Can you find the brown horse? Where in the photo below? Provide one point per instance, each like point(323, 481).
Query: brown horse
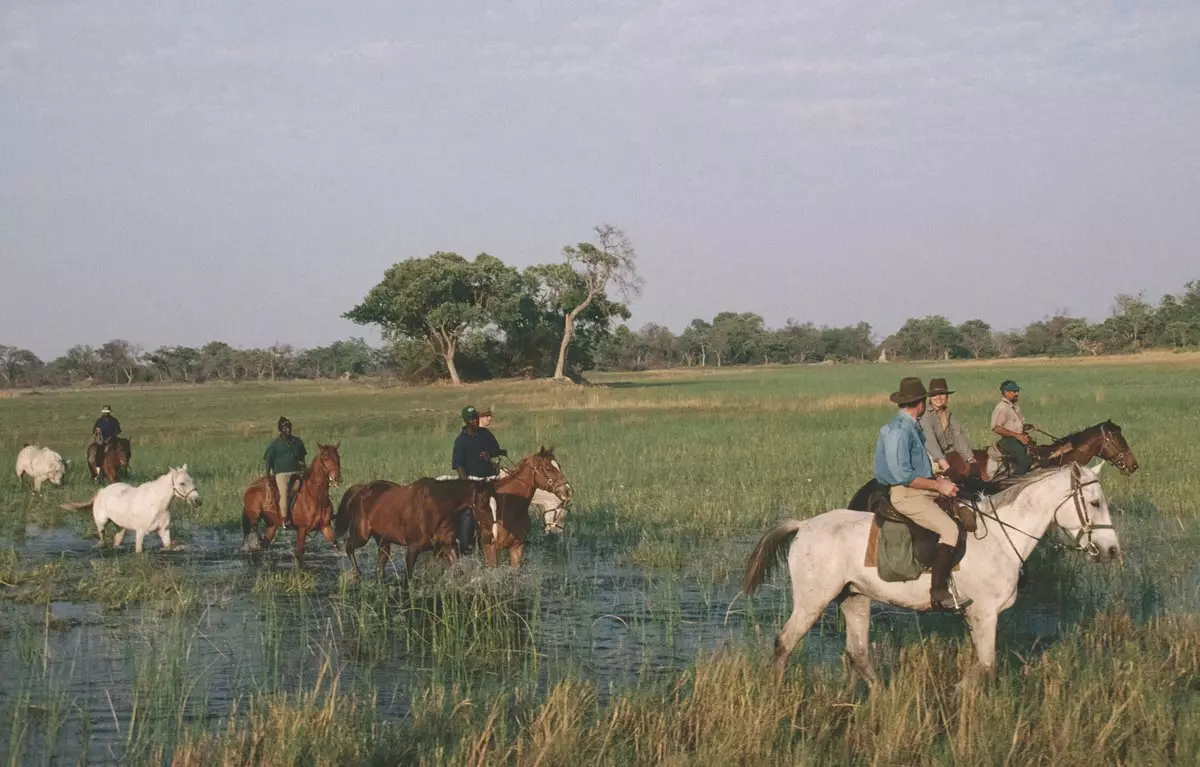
point(311, 511)
point(509, 527)
point(421, 516)
point(1103, 439)
point(110, 461)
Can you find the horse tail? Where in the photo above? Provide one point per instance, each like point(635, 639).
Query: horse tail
point(860, 499)
point(81, 506)
point(770, 551)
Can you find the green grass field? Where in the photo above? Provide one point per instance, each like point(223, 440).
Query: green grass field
point(624, 642)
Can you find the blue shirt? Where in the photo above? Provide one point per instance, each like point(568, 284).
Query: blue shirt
point(900, 455)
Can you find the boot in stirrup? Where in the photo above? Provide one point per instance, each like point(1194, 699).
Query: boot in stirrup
point(940, 597)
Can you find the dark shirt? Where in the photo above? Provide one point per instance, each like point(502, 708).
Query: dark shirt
point(109, 427)
point(474, 452)
point(285, 455)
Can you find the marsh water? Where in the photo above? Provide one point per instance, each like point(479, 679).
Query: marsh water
point(97, 680)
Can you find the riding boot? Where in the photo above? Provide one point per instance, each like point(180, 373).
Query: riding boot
point(465, 532)
point(940, 597)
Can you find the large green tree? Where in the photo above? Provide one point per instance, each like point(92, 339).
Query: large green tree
point(438, 299)
point(584, 277)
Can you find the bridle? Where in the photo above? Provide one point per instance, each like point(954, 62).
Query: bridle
point(179, 495)
point(557, 486)
point(1086, 526)
point(1121, 458)
point(325, 461)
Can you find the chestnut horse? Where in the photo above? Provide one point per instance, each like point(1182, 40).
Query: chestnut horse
point(509, 527)
point(312, 509)
point(1103, 439)
point(419, 517)
point(110, 461)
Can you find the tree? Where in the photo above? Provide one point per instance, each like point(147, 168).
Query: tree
point(977, 338)
point(928, 338)
point(737, 338)
point(589, 269)
point(80, 361)
point(19, 366)
point(1131, 320)
point(438, 299)
point(696, 340)
point(218, 360)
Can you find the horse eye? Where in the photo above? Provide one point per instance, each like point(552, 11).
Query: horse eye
point(1096, 504)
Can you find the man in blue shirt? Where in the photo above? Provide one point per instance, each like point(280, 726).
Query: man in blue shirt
point(902, 463)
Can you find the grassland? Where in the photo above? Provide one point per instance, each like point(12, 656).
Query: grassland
point(624, 643)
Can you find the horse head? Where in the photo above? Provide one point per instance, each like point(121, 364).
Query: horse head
point(1115, 449)
point(330, 461)
point(183, 487)
point(1083, 520)
point(548, 474)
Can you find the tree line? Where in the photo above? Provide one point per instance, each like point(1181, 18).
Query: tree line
point(445, 316)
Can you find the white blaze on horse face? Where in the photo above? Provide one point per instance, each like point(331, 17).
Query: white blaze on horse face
point(554, 463)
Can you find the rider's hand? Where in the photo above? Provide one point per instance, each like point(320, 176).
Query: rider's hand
point(946, 487)
point(1023, 439)
point(944, 465)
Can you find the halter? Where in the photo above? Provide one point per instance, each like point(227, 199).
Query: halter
point(1086, 526)
point(1120, 459)
point(177, 494)
point(554, 486)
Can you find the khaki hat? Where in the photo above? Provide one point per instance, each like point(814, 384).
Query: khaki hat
point(911, 390)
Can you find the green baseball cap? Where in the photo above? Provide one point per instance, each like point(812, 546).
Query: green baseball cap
point(469, 413)
point(1009, 385)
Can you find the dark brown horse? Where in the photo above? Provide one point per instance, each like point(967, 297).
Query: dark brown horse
point(1103, 439)
point(420, 517)
point(311, 511)
point(110, 461)
point(509, 527)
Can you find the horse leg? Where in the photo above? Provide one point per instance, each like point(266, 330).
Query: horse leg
point(138, 536)
point(983, 633)
point(515, 552)
point(490, 554)
point(856, 610)
point(381, 562)
point(120, 536)
point(802, 619)
point(327, 531)
point(301, 534)
point(164, 534)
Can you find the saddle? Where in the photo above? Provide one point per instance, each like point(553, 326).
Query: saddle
point(901, 549)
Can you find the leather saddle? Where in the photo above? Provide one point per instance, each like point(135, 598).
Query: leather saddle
point(925, 542)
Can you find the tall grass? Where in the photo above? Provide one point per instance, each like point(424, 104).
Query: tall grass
point(623, 641)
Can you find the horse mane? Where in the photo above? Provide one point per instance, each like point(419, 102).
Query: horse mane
point(1010, 493)
point(1077, 437)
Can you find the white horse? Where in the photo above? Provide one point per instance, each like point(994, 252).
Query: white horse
point(42, 465)
point(826, 561)
point(142, 509)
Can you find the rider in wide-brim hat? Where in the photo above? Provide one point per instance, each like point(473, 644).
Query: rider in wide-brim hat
point(937, 386)
point(911, 390)
point(945, 438)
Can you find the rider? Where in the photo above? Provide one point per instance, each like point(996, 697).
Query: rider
point(944, 435)
point(104, 431)
point(1009, 424)
point(476, 448)
point(902, 463)
point(284, 461)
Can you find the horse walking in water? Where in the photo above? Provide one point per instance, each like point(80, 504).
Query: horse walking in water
point(110, 461)
point(508, 525)
point(825, 556)
point(420, 517)
point(311, 511)
point(142, 509)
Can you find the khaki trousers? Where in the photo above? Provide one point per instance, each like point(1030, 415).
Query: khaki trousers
point(918, 506)
point(283, 483)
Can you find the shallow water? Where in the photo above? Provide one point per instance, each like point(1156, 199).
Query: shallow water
point(577, 607)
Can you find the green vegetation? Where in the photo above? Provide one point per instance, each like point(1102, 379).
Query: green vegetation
point(625, 642)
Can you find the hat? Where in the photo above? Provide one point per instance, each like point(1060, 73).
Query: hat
point(485, 411)
point(469, 413)
point(106, 409)
point(282, 421)
point(938, 386)
point(1009, 385)
point(911, 390)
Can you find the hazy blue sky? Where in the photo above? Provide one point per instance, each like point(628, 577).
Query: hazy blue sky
point(182, 172)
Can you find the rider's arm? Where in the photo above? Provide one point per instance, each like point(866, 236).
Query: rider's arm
point(931, 443)
point(458, 459)
point(1003, 432)
point(269, 459)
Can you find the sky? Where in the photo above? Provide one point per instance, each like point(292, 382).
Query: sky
point(177, 173)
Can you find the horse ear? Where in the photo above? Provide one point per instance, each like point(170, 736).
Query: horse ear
point(183, 467)
point(337, 445)
point(1097, 468)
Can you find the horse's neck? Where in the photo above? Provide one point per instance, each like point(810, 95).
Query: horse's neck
point(1031, 512)
point(520, 482)
point(160, 490)
point(317, 480)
